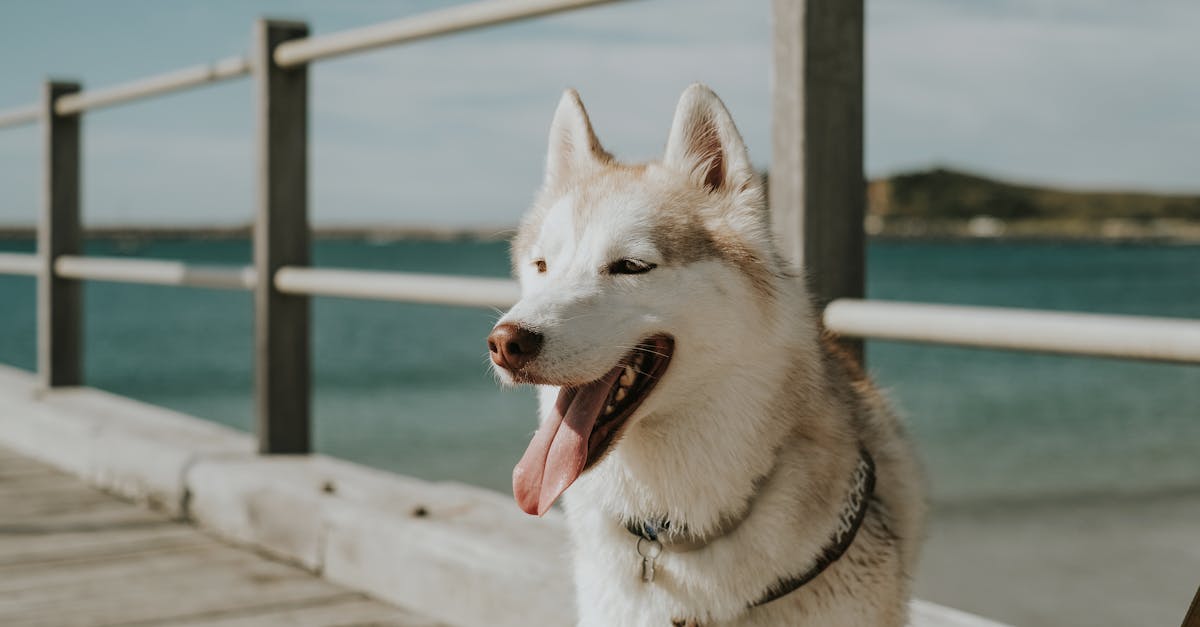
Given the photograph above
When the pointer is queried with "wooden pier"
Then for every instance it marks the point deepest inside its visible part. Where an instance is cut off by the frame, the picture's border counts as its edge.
(460, 555)
(72, 556)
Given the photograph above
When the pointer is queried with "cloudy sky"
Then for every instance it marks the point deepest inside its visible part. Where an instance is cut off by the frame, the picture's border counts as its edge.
(1085, 93)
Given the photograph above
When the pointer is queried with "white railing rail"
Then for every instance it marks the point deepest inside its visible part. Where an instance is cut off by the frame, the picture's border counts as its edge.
(298, 52)
(436, 289)
(278, 58)
(1146, 338)
(151, 86)
(19, 263)
(19, 116)
(155, 272)
(1070, 333)
(446, 21)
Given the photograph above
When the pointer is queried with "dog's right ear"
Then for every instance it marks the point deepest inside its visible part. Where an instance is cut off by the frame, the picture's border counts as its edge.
(573, 144)
(705, 144)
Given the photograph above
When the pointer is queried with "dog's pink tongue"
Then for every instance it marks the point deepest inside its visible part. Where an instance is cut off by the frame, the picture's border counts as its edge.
(559, 449)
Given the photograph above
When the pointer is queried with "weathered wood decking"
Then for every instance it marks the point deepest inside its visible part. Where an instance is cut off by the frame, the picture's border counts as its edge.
(71, 555)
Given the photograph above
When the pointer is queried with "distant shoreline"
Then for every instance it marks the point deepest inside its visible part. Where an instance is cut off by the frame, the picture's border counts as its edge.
(980, 228)
(985, 228)
(932, 204)
(935, 204)
(371, 233)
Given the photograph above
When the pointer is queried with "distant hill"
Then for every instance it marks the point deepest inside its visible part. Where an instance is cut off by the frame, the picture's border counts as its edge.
(945, 203)
(949, 194)
(936, 203)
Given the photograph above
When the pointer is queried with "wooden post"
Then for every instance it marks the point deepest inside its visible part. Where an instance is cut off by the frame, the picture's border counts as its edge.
(1192, 619)
(817, 186)
(59, 301)
(282, 371)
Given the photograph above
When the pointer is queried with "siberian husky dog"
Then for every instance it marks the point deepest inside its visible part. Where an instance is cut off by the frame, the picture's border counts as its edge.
(727, 464)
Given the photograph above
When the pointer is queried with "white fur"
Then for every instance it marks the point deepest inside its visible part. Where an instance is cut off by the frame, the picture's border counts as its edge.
(749, 393)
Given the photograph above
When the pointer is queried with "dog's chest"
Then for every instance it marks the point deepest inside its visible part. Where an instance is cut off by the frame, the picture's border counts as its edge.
(622, 578)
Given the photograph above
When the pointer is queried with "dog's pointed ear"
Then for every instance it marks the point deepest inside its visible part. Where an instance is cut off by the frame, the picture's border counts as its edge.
(705, 144)
(573, 144)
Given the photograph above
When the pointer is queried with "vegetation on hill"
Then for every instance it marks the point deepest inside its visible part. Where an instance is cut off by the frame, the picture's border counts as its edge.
(948, 194)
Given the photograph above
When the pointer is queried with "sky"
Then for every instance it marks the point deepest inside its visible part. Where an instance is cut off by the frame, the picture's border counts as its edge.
(452, 132)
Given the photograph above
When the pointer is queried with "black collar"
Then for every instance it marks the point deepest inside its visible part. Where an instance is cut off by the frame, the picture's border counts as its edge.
(854, 511)
(850, 519)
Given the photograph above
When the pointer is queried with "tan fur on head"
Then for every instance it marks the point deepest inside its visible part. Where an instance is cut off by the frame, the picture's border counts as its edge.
(712, 201)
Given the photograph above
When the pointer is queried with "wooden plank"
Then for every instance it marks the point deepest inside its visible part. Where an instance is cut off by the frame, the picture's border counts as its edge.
(73, 568)
(817, 187)
(32, 481)
(120, 566)
(56, 501)
(144, 541)
(282, 370)
(18, 472)
(1192, 618)
(60, 323)
(151, 599)
(43, 503)
(357, 612)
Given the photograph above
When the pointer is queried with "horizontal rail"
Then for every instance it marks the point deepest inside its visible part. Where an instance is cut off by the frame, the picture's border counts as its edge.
(177, 80)
(454, 19)
(19, 116)
(155, 272)
(451, 20)
(441, 289)
(19, 263)
(1096, 335)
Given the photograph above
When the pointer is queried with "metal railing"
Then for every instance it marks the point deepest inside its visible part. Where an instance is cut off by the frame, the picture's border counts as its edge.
(1007, 328)
(155, 272)
(278, 60)
(301, 51)
(17, 263)
(151, 86)
(1145, 338)
(452, 20)
(807, 207)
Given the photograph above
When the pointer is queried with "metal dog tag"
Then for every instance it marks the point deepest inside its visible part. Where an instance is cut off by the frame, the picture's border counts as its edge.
(649, 550)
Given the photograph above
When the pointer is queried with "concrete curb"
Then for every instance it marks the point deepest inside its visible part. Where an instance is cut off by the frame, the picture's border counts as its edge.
(455, 553)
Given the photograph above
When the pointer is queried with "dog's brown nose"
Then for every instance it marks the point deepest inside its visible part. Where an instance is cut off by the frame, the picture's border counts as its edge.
(513, 346)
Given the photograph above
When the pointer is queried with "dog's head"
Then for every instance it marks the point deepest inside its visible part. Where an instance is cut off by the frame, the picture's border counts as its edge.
(639, 283)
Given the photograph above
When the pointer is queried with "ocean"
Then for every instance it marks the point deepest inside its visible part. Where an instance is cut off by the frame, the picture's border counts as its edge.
(407, 387)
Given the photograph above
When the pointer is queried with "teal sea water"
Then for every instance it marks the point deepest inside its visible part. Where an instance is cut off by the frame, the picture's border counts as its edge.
(407, 387)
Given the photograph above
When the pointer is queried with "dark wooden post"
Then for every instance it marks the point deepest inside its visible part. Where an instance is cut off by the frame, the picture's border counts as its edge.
(1192, 619)
(282, 371)
(817, 186)
(60, 322)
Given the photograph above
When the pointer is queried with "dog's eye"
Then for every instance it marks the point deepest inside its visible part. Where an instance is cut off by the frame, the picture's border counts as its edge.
(540, 264)
(630, 266)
